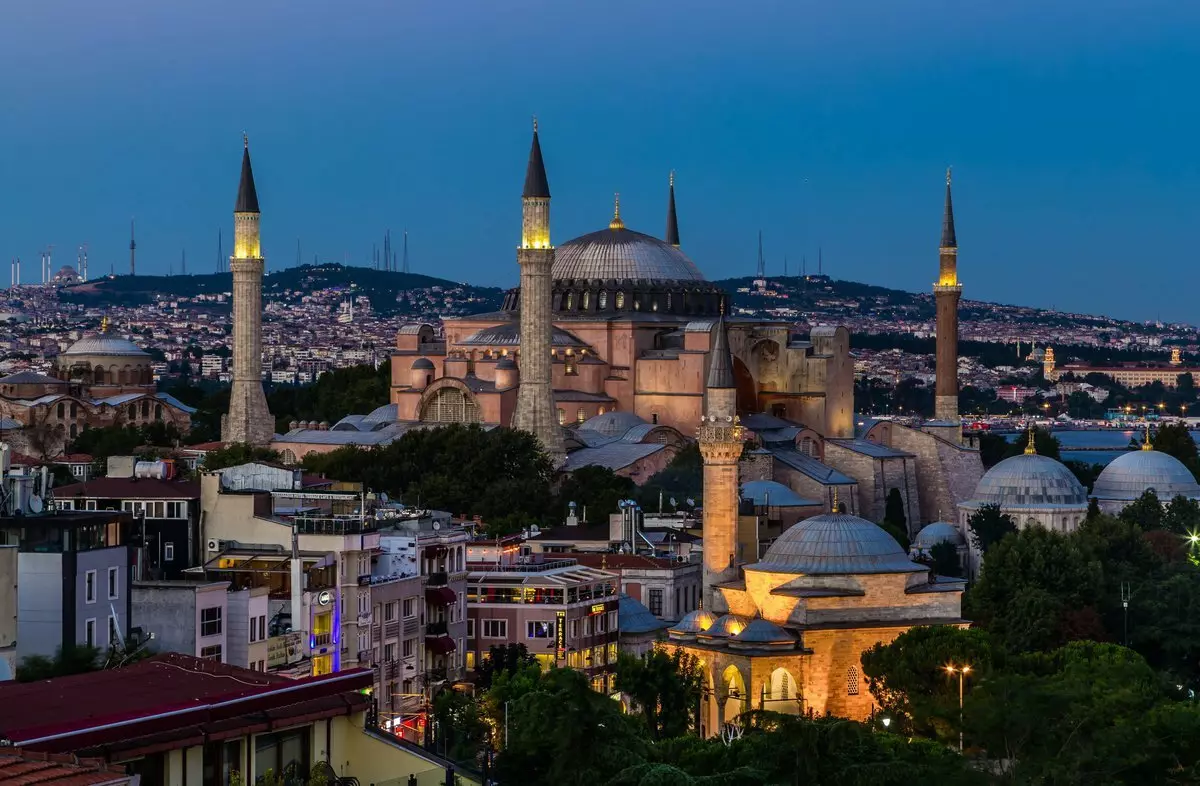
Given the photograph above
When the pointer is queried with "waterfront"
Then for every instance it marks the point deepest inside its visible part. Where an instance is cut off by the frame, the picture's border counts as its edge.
(1094, 447)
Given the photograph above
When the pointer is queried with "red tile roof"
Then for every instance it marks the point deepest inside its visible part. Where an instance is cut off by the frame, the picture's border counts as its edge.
(164, 699)
(204, 447)
(131, 488)
(19, 768)
(23, 460)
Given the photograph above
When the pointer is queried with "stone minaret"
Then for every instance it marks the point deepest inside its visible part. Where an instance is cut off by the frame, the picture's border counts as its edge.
(535, 411)
(946, 292)
(248, 419)
(672, 220)
(720, 439)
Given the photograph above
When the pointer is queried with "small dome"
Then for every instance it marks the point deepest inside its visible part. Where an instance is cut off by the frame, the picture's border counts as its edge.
(693, 622)
(762, 632)
(422, 364)
(105, 345)
(1128, 476)
(938, 532)
(726, 626)
(1030, 480)
(835, 544)
(613, 424)
(622, 254)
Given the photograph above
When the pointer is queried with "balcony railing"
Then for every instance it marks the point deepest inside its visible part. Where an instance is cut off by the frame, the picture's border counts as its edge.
(438, 578)
(438, 628)
(333, 525)
(322, 639)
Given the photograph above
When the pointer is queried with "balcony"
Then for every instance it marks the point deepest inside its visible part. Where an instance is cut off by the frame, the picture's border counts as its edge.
(439, 628)
(333, 525)
(321, 640)
(438, 578)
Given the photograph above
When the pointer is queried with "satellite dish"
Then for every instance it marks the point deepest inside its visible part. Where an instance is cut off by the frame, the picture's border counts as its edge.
(35, 504)
(383, 497)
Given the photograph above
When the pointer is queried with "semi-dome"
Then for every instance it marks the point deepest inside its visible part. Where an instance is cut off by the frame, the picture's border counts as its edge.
(693, 622)
(105, 345)
(1029, 480)
(613, 424)
(835, 544)
(422, 364)
(763, 634)
(938, 532)
(620, 254)
(1129, 476)
(725, 627)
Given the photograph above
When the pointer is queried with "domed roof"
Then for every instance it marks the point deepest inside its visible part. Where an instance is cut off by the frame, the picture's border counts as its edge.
(1030, 480)
(613, 424)
(938, 532)
(622, 253)
(762, 632)
(422, 364)
(835, 544)
(693, 622)
(1129, 475)
(104, 344)
(725, 627)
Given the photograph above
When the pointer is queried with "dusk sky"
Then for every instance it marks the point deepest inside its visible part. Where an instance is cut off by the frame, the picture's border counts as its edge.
(1073, 129)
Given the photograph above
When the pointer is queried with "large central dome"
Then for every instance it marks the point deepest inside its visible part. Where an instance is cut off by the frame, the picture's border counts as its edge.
(833, 544)
(622, 254)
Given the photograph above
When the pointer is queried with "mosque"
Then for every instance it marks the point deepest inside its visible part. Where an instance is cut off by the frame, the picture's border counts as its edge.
(100, 380)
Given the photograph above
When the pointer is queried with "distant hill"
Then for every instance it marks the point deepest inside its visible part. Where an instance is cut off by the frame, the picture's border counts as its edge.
(381, 286)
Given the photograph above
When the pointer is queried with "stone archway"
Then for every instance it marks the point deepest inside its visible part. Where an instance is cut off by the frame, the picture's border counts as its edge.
(449, 401)
(734, 700)
(782, 694)
(747, 388)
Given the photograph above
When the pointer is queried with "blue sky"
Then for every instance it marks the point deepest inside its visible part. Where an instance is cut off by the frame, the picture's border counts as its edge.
(1072, 130)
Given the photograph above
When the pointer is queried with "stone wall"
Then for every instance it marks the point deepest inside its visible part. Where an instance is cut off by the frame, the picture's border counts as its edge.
(876, 478)
(947, 474)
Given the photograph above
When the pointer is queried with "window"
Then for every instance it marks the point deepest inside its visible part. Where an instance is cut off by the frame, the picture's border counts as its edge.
(656, 601)
(600, 623)
(581, 415)
(562, 416)
(282, 751)
(89, 633)
(495, 629)
(112, 583)
(389, 611)
(852, 680)
(574, 629)
(175, 510)
(389, 653)
(612, 620)
(410, 607)
(168, 552)
(210, 621)
(262, 626)
(89, 587)
(470, 628)
(407, 647)
(539, 629)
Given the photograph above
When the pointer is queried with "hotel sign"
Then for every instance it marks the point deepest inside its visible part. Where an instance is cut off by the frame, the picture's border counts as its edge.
(560, 635)
(598, 608)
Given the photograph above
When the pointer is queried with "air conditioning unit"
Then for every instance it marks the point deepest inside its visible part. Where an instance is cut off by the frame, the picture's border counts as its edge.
(214, 544)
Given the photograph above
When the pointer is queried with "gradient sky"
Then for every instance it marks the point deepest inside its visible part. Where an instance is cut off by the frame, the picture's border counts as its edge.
(1073, 133)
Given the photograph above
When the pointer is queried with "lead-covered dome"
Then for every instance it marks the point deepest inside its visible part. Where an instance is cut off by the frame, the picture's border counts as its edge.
(1131, 474)
(1029, 480)
(938, 532)
(835, 544)
(620, 254)
(106, 346)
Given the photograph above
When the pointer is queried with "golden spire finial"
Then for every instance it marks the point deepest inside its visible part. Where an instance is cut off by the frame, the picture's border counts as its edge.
(1030, 449)
(535, 124)
(104, 324)
(245, 140)
(948, 175)
(835, 499)
(1146, 442)
(616, 222)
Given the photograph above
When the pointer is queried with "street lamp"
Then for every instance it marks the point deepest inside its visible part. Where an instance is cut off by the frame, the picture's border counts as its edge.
(961, 671)
(886, 721)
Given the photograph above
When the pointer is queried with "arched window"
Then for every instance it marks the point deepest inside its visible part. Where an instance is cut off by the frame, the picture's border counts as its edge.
(603, 301)
(581, 415)
(158, 411)
(587, 299)
(132, 411)
(74, 431)
(450, 405)
(852, 680)
(570, 301)
(601, 412)
(562, 416)
(288, 457)
(74, 409)
(145, 408)
(620, 300)
(61, 410)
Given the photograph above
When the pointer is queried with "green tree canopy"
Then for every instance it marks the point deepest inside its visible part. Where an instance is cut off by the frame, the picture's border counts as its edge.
(237, 453)
(989, 526)
(666, 688)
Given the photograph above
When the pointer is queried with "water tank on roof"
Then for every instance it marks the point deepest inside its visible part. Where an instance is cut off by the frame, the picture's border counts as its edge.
(160, 470)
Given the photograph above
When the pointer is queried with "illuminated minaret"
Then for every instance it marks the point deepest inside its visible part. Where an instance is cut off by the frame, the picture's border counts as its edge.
(720, 438)
(946, 292)
(672, 220)
(535, 411)
(249, 419)
(132, 251)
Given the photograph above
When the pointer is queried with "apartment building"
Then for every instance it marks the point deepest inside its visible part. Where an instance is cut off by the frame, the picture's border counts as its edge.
(204, 619)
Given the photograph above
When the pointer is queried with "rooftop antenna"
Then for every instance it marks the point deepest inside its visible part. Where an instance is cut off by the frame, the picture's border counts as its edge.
(83, 272)
(404, 269)
(761, 271)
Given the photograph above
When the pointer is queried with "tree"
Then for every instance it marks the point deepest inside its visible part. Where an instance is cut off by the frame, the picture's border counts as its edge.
(1174, 439)
(237, 453)
(666, 689)
(989, 526)
(908, 677)
(681, 480)
(1181, 516)
(1045, 443)
(893, 510)
(458, 730)
(503, 659)
(595, 491)
(68, 659)
(1145, 511)
(944, 559)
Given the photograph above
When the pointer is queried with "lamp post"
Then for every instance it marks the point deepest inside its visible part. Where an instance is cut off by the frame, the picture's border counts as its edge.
(961, 671)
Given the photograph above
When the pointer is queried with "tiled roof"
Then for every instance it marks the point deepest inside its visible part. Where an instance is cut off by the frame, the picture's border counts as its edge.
(25, 768)
(868, 448)
(633, 617)
(131, 488)
(822, 473)
(30, 378)
(614, 456)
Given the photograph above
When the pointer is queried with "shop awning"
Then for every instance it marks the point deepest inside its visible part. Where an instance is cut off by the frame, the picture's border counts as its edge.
(440, 596)
(440, 645)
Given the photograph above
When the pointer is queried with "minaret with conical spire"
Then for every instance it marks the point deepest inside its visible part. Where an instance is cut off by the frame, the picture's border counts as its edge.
(249, 419)
(132, 251)
(535, 409)
(947, 292)
(720, 439)
(672, 219)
